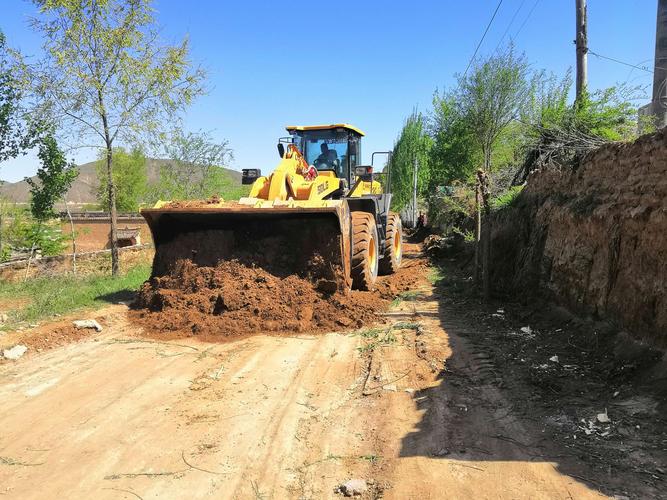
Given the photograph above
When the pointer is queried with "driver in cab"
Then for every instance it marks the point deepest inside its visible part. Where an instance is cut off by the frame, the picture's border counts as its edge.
(328, 158)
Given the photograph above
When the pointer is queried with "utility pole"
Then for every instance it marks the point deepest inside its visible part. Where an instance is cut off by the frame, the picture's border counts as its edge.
(659, 101)
(414, 194)
(582, 48)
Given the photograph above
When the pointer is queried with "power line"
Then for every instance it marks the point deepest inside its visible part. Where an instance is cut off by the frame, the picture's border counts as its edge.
(643, 68)
(516, 12)
(527, 17)
(483, 36)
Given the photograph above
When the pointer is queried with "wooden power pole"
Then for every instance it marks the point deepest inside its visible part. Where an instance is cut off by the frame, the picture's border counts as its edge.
(582, 47)
(414, 192)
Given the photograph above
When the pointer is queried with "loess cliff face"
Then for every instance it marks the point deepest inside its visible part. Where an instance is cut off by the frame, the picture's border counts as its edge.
(594, 239)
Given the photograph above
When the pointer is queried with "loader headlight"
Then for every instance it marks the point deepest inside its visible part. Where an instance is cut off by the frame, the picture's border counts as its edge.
(250, 175)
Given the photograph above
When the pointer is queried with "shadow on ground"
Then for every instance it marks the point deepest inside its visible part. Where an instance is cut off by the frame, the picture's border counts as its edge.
(126, 295)
(533, 395)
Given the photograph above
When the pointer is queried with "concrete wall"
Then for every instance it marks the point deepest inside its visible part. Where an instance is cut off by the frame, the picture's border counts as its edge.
(594, 239)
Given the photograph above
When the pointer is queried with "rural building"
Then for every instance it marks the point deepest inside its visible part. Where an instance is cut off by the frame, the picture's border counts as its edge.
(93, 231)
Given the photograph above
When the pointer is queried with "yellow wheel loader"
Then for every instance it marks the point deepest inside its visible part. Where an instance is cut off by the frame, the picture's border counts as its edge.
(319, 214)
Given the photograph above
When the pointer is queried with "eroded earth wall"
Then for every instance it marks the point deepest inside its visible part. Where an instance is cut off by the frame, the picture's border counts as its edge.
(594, 239)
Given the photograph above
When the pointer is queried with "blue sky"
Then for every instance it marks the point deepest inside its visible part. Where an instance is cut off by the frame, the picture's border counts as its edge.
(365, 62)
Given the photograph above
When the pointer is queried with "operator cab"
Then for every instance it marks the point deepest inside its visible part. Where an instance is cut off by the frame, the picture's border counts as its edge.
(335, 148)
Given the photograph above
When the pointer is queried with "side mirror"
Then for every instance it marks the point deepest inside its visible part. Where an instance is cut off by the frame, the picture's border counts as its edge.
(352, 150)
(250, 175)
(281, 149)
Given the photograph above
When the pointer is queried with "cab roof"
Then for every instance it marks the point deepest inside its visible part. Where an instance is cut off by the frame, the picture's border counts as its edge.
(346, 126)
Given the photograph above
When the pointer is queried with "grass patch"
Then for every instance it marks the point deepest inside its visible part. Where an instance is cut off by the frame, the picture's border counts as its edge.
(409, 296)
(507, 199)
(373, 459)
(378, 337)
(435, 275)
(406, 325)
(371, 333)
(48, 296)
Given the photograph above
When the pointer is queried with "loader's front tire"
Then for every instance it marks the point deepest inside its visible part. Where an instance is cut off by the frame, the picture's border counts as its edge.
(393, 247)
(364, 269)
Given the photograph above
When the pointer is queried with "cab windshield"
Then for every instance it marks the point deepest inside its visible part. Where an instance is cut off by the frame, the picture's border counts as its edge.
(325, 150)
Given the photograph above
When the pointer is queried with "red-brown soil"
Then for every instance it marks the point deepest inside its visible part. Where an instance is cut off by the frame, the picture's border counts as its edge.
(213, 200)
(235, 299)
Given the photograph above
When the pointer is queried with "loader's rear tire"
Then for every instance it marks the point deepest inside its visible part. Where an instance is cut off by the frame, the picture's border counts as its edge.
(364, 251)
(393, 248)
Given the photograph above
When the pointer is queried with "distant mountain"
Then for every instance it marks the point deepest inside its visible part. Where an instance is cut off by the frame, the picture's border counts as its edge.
(83, 189)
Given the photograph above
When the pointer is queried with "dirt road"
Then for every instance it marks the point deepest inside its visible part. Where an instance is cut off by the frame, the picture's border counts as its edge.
(408, 407)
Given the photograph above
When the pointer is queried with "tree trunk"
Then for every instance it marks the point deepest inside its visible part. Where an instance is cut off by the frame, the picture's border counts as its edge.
(113, 216)
(486, 257)
(478, 231)
(73, 237)
(111, 188)
(485, 210)
(27, 267)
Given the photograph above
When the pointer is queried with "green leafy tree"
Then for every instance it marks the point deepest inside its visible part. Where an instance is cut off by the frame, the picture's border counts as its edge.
(560, 134)
(195, 169)
(54, 178)
(455, 153)
(129, 178)
(492, 96)
(413, 143)
(106, 77)
(16, 134)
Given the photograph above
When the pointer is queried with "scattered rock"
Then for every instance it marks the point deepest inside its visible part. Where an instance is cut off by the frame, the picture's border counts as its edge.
(554, 359)
(526, 329)
(87, 323)
(15, 352)
(442, 452)
(353, 487)
(603, 418)
(3, 318)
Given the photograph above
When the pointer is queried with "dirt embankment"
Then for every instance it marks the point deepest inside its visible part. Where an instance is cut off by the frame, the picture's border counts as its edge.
(594, 238)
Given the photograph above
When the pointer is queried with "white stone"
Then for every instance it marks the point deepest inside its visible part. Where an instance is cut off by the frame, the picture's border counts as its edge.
(15, 352)
(87, 323)
(354, 487)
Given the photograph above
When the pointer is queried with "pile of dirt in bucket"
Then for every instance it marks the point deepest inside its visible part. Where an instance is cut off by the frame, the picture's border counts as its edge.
(233, 298)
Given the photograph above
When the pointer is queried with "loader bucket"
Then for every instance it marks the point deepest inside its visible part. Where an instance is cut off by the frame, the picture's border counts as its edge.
(309, 242)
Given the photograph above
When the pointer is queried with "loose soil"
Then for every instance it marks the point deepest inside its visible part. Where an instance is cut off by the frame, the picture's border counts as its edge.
(261, 286)
(232, 299)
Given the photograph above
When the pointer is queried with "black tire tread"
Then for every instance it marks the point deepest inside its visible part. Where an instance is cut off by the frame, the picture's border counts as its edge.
(363, 228)
(390, 262)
